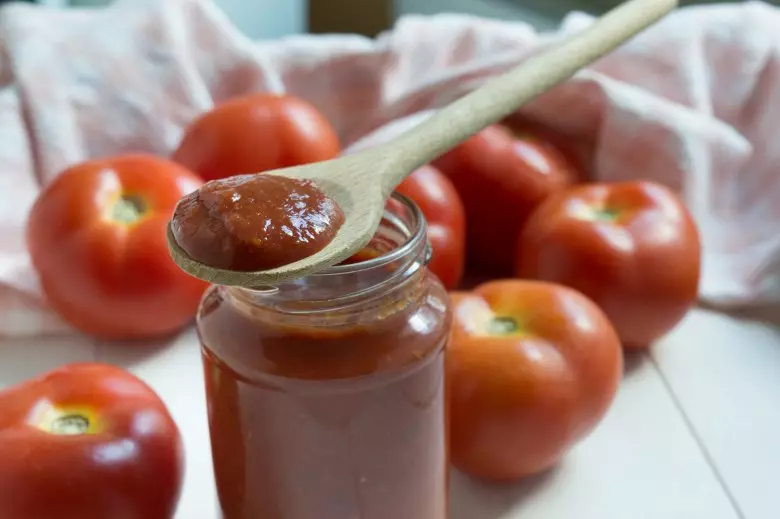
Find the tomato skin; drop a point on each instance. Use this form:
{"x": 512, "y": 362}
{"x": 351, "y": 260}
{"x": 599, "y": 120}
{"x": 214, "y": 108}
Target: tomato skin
{"x": 254, "y": 133}
{"x": 110, "y": 278}
{"x": 501, "y": 177}
{"x": 443, "y": 210}
{"x": 632, "y": 247}
{"x": 520, "y": 400}
{"x": 130, "y": 466}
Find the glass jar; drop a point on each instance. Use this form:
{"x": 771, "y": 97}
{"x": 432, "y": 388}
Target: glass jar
{"x": 326, "y": 395}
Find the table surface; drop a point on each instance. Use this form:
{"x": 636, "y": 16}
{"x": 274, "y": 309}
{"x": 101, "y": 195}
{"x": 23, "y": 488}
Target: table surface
{"x": 692, "y": 433}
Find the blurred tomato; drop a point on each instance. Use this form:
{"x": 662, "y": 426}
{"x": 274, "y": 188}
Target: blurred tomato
{"x": 501, "y": 178}
{"x": 255, "y": 133}
{"x": 87, "y": 441}
{"x": 575, "y": 148}
{"x": 632, "y": 247}
{"x": 97, "y": 237}
{"x": 531, "y": 369}
{"x": 443, "y": 210}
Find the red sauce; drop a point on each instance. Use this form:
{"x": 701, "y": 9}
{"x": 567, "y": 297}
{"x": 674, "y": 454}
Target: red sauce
{"x": 371, "y": 251}
{"x": 341, "y": 416}
{"x": 255, "y": 222}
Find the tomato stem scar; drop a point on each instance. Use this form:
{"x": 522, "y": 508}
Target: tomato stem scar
{"x": 70, "y": 424}
{"x": 607, "y": 214}
{"x": 128, "y": 209}
{"x": 503, "y": 326}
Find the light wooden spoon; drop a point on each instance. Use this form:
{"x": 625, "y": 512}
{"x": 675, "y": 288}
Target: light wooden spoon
{"x": 360, "y": 183}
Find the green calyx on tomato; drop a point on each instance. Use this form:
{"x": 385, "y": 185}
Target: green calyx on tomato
{"x": 503, "y": 326}
{"x": 128, "y": 209}
{"x": 602, "y": 215}
{"x": 73, "y": 424}
{"x": 607, "y": 215}
{"x": 66, "y": 420}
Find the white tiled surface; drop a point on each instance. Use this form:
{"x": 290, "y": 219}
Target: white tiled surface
{"x": 725, "y": 374}
{"x": 693, "y": 433}
{"x": 641, "y": 463}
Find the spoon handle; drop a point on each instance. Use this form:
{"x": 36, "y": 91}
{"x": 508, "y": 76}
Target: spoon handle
{"x": 503, "y": 95}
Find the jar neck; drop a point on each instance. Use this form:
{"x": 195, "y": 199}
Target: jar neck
{"x": 391, "y": 272}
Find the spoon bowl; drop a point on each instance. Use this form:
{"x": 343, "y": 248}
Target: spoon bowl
{"x": 360, "y": 183}
{"x": 360, "y": 224}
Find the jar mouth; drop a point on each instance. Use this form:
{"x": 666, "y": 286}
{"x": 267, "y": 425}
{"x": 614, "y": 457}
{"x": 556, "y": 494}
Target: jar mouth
{"x": 401, "y": 249}
{"x": 415, "y": 230}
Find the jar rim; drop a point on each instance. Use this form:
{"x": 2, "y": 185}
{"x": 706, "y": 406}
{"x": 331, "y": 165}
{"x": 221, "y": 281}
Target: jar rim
{"x": 418, "y": 228}
{"x": 345, "y": 284}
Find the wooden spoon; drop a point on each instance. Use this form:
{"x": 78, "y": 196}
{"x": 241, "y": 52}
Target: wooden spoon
{"x": 360, "y": 183}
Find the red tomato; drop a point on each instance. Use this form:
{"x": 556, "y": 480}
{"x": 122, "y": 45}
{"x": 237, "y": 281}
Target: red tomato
{"x": 576, "y": 149}
{"x": 501, "y": 178}
{"x": 443, "y": 210}
{"x": 532, "y": 368}
{"x": 255, "y": 133}
{"x": 87, "y": 441}
{"x": 97, "y": 237}
{"x": 632, "y": 247}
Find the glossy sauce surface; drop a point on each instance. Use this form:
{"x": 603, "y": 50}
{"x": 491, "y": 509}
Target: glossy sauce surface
{"x": 255, "y": 222}
{"x": 341, "y": 417}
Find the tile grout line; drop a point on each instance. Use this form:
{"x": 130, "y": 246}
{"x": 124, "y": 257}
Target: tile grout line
{"x": 708, "y": 458}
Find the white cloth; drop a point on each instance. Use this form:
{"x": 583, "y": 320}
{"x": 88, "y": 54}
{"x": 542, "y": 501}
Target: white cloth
{"x": 693, "y": 102}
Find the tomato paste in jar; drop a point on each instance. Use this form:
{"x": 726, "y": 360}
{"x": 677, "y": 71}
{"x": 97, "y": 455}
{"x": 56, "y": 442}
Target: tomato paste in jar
{"x": 326, "y": 394}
